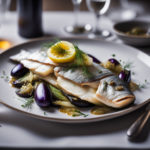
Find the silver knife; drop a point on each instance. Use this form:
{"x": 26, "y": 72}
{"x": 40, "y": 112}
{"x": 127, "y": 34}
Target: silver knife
{"x": 138, "y": 125}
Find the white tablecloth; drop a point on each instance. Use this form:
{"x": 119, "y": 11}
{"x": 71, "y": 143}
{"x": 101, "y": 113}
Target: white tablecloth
{"x": 18, "y": 130}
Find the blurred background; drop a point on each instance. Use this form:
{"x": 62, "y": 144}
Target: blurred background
{"x": 66, "y": 5}
{"x": 59, "y": 18}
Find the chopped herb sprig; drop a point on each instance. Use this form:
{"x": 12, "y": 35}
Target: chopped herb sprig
{"x": 27, "y": 102}
{"x": 127, "y": 65}
{"x": 80, "y": 59}
{"x": 79, "y": 113}
{"x": 5, "y": 76}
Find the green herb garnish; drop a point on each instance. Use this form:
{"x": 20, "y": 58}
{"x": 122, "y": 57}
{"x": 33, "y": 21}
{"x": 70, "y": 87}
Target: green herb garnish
{"x": 105, "y": 85}
{"x": 133, "y": 73}
{"x": 141, "y": 85}
{"x": 127, "y": 65}
{"x": 44, "y": 113}
{"x": 4, "y": 75}
{"x": 145, "y": 80}
{"x": 59, "y": 50}
{"x": 27, "y": 102}
{"x": 113, "y": 55}
{"x": 80, "y": 62}
{"x": 99, "y": 71}
{"x": 79, "y": 113}
{"x": 48, "y": 45}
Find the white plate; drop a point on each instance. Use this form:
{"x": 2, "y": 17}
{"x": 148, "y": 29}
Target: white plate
{"x": 100, "y": 49}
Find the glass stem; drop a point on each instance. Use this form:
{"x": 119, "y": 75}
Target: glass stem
{"x": 76, "y": 11}
{"x": 97, "y": 31}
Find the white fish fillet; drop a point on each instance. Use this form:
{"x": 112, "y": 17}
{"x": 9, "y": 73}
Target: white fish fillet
{"x": 50, "y": 79}
{"x": 44, "y": 70}
{"x": 110, "y": 96}
{"x": 22, "y": 55}
{"x": 37, "y": 56}
{"x": 38, "y": 68}
{"x": 30, "y": 64}
{"x": 84, "y": 93}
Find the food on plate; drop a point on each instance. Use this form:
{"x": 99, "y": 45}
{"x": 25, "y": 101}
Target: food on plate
{"x": 62, "y": 75}
{"x": 125, "y": 75}
{"x": 113, "y": 65}
{"x": 137, "y": 31}
{"x": 62, "y": 52}
{"x": 19, "y": 70}
{"x": 43, "y": 95}
{"x": 114, "y": 92}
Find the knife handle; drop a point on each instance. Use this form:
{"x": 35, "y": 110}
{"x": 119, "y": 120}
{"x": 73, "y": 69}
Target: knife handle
{"x": 138, "y": 125}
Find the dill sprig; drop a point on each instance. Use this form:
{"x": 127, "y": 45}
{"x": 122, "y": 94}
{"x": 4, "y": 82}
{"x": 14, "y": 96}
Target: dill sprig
{"x": 127, "y": 65}
{"x": 48, "y": 45}
{"x": 58, "y": 50}
{"x": 80, "y": 58}
{"x": 27, "y": 102}
{"x": 79, "y": 113}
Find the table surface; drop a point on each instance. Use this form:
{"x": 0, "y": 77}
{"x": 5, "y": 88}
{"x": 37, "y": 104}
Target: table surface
{"x": 20, "y": 131}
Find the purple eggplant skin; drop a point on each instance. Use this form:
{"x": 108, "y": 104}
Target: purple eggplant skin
{"x": 125, "y": 75}
{"x": 78, "y": 102}
{"x": 94, "y": 59}
{"x": 19, "y": 70}
{"x": 114, "y": 61}
{"x": 17, "y": 83}
{"x": 24, "y": 95}
{"x": 43, "y": 95}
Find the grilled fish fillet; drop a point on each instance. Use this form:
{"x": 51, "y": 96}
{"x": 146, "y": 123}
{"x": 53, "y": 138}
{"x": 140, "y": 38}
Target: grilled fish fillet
{"x": 50, "y": 79}
{"x": 112, "y": 95}
{"x": 85, "y": 93}
{"x": 22, "y": 55}
{"x": 38, "y": 56}
{"x": 98, "y": 73}
{"x": 38, "y": 68}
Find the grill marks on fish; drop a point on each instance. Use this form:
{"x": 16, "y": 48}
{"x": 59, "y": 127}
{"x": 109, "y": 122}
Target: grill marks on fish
{"x": 78, "y": 77}
{"x": 108, "y": 94}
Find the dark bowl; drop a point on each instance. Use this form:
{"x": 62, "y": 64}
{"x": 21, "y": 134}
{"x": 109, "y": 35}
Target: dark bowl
{"x": 121, "y": 28}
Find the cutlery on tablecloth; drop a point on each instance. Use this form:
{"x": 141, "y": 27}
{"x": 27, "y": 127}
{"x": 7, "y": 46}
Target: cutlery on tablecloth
{"x": 138, "y": 125}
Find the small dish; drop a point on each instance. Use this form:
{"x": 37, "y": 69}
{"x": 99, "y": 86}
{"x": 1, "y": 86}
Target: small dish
{"x": 121, "y": 28}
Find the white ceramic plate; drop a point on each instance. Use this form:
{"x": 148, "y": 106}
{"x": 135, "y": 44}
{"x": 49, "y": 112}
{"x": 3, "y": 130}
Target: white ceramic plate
{"x": 100, "y": 49}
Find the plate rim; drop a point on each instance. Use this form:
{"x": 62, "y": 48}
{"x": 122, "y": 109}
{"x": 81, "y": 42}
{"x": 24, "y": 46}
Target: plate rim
{"x": 85, "y": 120}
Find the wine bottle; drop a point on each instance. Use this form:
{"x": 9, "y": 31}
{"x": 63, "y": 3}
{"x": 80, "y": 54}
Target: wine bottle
{"x": 30, "y": 18}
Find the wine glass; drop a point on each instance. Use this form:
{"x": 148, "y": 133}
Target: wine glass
{"x": 76, "y": 28}
{"x": 98, "y": 7}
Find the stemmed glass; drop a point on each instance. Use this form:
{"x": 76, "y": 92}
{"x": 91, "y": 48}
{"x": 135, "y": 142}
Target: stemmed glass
{"x": 76, "y": 28}
{"x": 98, "y": 7}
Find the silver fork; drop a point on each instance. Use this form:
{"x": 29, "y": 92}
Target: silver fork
{"x": 138, "y": 125}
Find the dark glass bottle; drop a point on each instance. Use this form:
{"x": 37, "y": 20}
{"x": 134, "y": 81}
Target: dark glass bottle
{"x": 30, "y": 18}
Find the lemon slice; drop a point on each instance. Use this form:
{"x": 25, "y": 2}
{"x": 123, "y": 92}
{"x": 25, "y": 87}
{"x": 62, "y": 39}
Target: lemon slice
{"x": 62, "y": 52}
